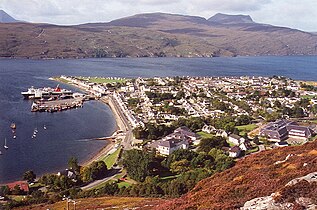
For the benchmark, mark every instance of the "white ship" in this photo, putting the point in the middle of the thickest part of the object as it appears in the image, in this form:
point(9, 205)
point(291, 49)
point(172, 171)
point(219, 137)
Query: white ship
point(47, 92)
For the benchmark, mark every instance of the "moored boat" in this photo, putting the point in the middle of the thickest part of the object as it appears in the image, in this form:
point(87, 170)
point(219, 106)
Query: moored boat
point(13, 126)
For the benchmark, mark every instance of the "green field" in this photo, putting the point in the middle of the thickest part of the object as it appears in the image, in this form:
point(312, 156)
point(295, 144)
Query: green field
point(246, 128)
point(254, 149)
point(111, 159)
point(205, 135)
point(105, 80)
point(124, 184)
point(59, 79)
point(170, 177)
point(307, 97)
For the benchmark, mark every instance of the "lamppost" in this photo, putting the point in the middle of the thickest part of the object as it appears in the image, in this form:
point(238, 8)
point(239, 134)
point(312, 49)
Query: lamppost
point(74, 202)
point(67, 201)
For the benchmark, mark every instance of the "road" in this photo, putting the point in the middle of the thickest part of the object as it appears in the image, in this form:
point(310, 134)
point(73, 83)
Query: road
point(126, 143)
point(127, 128)
point(110, 176)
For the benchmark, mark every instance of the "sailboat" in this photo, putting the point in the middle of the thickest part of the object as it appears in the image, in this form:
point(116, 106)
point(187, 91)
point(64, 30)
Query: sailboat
point(5, 143)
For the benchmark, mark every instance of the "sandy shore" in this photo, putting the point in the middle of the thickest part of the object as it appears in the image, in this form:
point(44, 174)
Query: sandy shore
point(119, 126)
point(105, 150)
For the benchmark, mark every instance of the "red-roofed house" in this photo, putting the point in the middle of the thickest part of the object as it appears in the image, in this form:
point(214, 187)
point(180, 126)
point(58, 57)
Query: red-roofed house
point(22, 184)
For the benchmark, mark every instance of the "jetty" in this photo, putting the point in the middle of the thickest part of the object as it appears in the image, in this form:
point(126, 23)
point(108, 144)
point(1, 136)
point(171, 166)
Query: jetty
point(57, 105)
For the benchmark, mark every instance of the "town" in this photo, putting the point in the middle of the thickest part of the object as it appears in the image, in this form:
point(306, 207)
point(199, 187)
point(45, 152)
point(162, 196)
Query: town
point(178, 130)
point(238, 109)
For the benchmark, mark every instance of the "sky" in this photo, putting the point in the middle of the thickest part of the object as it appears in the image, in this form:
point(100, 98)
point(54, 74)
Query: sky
point(299, 14)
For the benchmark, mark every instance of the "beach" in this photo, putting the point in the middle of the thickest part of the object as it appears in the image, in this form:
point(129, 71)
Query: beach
point(109, 147)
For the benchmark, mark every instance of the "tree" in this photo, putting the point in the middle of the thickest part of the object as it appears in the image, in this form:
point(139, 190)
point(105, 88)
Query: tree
point(137, 163)
point(17, 190)
point(298, 111)
point(4, 190)
point(180, 166)
point(243, 120)
point(222, 161)
point(256, 140)
point(178, 155)
point(73, 164)
point(96, 170)
point(29, 176)
point(207, 144)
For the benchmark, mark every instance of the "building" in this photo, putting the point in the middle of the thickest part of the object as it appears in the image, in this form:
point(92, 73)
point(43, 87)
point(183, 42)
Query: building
point(236, 139)
point(234, 152)
point(179, 139)
point(283, 129)
point(22, 184)
point(167, 147)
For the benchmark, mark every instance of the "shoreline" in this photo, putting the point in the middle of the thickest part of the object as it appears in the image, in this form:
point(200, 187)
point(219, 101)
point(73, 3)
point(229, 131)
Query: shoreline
point(106, 149)
point(119, 125)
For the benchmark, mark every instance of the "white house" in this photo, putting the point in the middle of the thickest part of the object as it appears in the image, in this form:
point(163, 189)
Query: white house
point(236, 139)
point(167, 147)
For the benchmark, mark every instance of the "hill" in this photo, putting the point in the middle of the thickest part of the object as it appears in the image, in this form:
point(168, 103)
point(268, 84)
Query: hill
point(101, 203)
point(5, 18)
point(256, 176)
point(155, 35)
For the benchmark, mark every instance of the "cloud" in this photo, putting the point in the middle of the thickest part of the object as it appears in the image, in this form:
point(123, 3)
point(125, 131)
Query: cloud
point(293, 13)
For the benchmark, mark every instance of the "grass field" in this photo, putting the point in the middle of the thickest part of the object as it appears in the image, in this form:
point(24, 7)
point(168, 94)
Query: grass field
point(204, 134)
point(307, 97)
point(124, 184)
point(170, 177)
point(255, 149)
point(246, 128)
point(105, 80)
point(61, 80)
point(111, 159)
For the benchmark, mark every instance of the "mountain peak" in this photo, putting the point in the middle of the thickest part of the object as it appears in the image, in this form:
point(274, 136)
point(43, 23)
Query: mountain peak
point(5, 18)
point(220, 18)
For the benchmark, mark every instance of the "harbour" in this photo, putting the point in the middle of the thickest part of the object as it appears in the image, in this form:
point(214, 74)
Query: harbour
point(63, 138)
point(57, 105)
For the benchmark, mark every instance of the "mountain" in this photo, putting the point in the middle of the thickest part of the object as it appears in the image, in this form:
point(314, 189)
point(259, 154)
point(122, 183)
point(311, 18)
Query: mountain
point(230, 19)
point(279, 178)
point(155, 35)
point(5, 18)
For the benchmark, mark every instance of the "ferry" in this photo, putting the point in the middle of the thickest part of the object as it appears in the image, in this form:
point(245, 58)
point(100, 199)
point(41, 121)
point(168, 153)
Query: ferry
point(46, 92)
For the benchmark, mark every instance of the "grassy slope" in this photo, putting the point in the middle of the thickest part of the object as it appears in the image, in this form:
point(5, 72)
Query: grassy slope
point(111, 159)
point(101, 203)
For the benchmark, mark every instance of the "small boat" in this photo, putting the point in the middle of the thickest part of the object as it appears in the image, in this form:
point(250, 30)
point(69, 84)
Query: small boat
point(13, 126)
point(5, 144)
point(44, 127)
point(0, 152)
point(14, 136)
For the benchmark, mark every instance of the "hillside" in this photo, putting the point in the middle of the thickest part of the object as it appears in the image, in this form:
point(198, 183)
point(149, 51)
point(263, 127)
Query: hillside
point(255, 176)
point(101, 203)
point(155, 35)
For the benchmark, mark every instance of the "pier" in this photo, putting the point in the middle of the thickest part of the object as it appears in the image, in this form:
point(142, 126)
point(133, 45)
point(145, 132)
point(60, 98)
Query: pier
point(57, 105)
